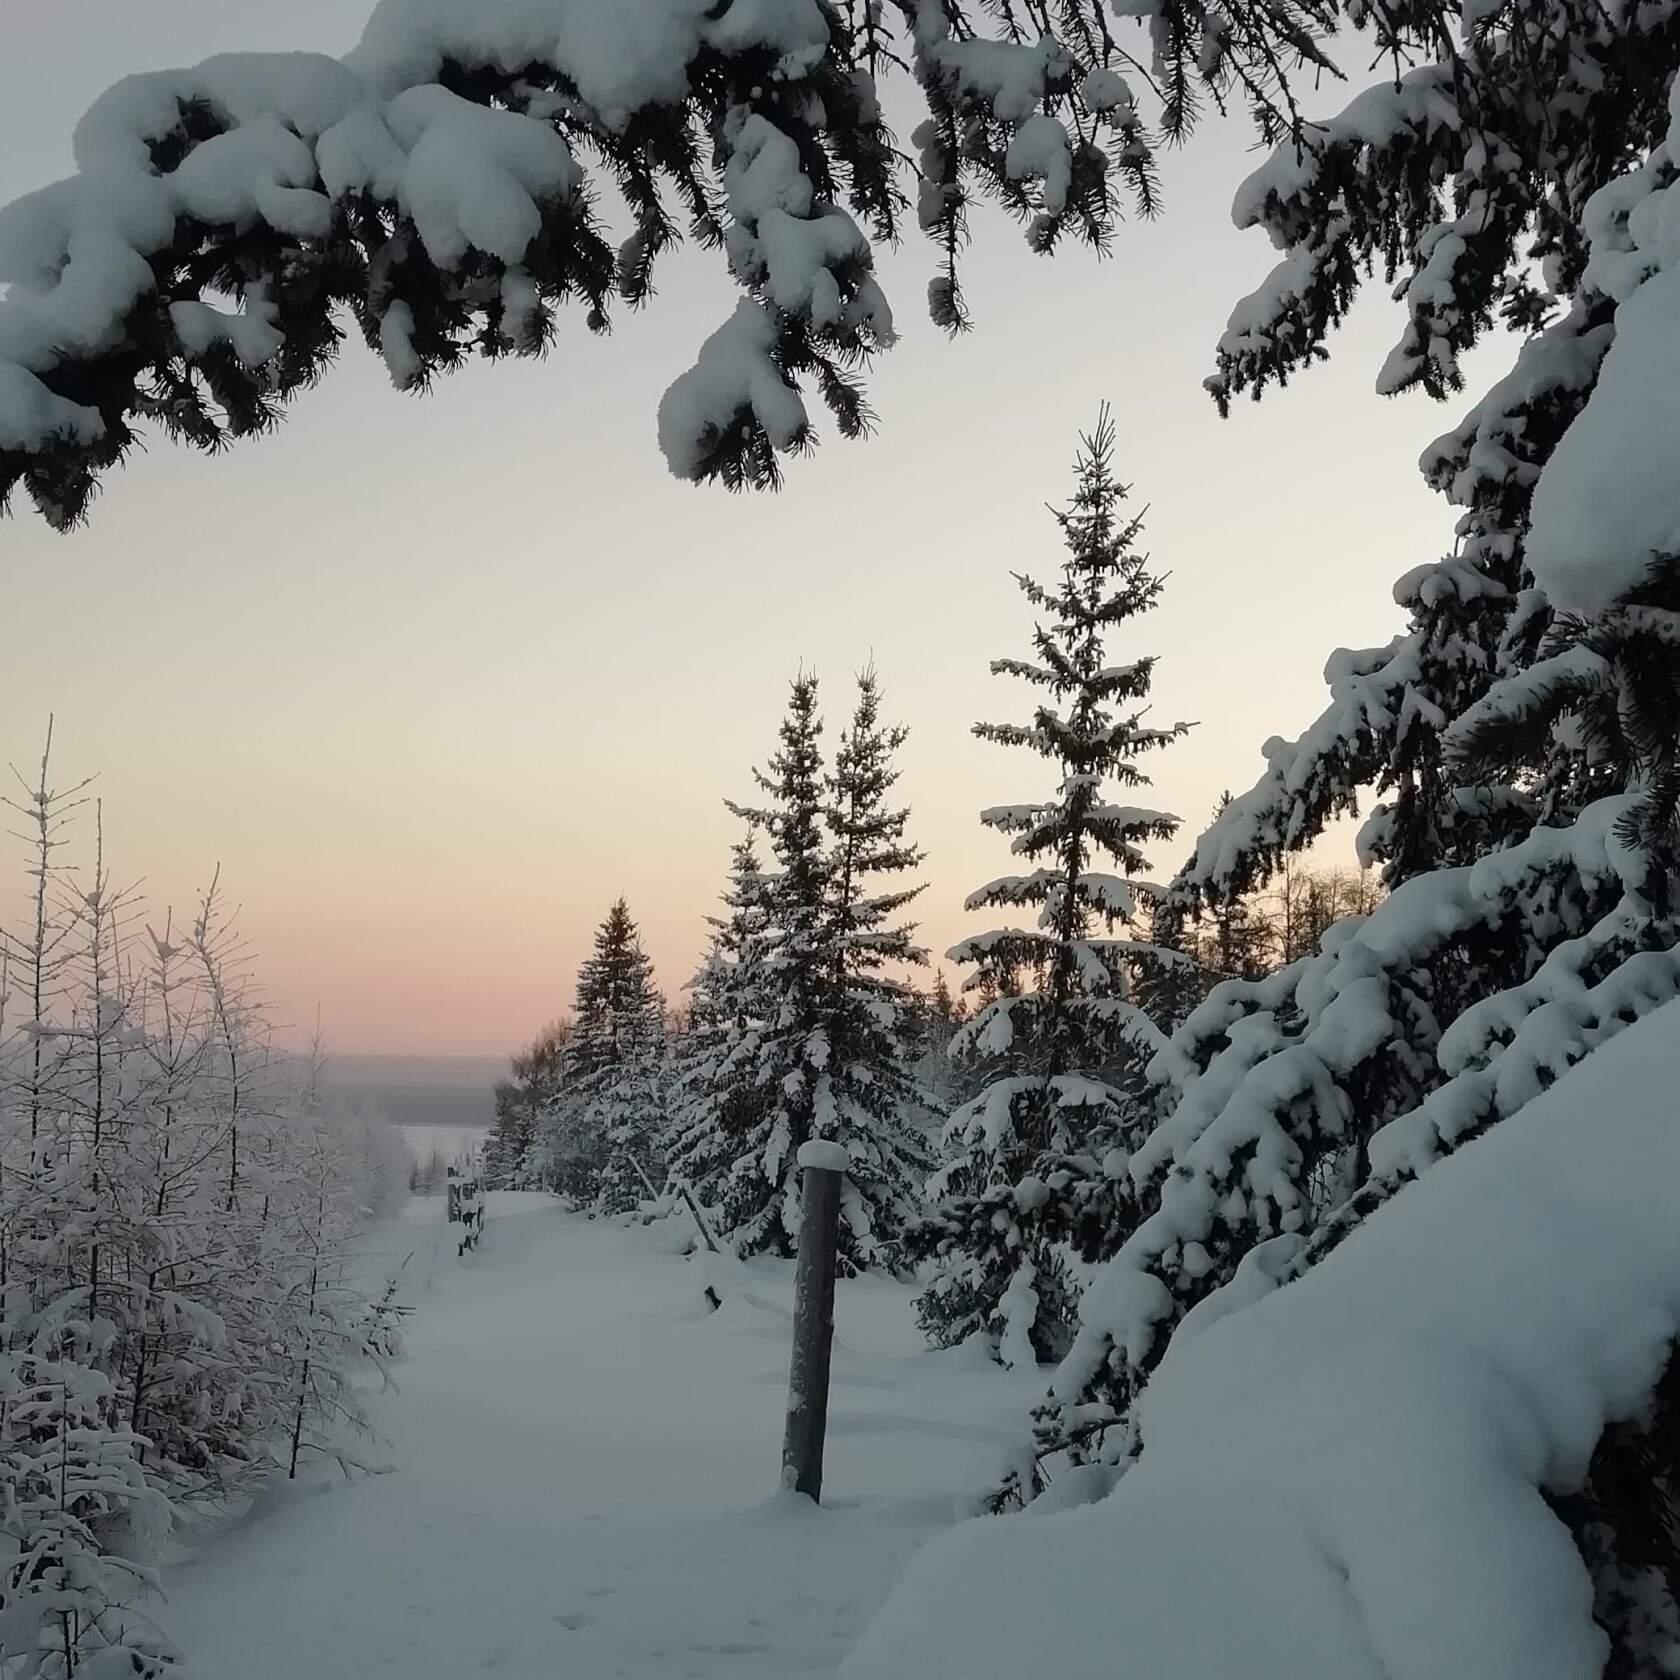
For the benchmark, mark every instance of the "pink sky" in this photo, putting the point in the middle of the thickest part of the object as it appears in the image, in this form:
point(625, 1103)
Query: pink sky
point(435, 680)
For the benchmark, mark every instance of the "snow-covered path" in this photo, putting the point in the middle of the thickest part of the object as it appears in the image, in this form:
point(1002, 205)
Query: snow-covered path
point(585, 1462)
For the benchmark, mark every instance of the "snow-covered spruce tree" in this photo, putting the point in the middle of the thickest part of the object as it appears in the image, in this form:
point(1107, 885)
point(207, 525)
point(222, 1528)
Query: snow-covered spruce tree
point(1522, 729)
point(512, 1152)
point(448, 184)
point(1466, 179)
point(605, 1127)
point(882, 1113)
point(716, 1099)
point(828, 1054)
point(937, 1017)
point(759, 1192)
point(1025, 1157)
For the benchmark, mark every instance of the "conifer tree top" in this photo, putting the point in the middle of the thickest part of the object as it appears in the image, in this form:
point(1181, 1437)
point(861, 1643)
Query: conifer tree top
point(619, 1011)
point(1085, 848)
point(869, 833)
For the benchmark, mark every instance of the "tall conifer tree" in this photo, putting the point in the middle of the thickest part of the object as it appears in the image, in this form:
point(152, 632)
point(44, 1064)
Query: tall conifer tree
point(760, 1196)
point(511, 1149)
point(828, 1056)
point(881, 1112)
point(1008, 1198)
point(607, 1124)
point(716, 1100)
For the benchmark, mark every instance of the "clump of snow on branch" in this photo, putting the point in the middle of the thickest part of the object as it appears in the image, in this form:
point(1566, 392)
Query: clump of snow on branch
point(432, 185)
point(1256, 1096)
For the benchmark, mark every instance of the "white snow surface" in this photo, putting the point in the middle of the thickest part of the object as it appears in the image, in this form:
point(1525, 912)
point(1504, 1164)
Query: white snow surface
point(824, 1153)
point(1350, 1468)
point(621, 54)
point(1607, 501)
point(585, 1474)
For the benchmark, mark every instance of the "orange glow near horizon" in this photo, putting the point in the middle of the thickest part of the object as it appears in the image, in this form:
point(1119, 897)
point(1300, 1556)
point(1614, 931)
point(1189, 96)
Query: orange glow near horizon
point(436, 679)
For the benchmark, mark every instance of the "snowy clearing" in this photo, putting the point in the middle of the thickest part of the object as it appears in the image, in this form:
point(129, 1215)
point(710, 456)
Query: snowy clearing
point(585, 1466)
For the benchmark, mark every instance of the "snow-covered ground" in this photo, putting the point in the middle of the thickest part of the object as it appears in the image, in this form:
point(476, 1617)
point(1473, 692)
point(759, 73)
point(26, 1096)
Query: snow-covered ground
point(1342, 1481)
point(584, 1477)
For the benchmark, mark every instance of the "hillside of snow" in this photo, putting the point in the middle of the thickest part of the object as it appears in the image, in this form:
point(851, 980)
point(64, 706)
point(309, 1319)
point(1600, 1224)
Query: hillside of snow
point(1351, 1469)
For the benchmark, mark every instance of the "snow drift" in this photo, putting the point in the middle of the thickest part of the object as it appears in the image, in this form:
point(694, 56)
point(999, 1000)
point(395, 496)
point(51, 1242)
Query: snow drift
point(1351, 1470)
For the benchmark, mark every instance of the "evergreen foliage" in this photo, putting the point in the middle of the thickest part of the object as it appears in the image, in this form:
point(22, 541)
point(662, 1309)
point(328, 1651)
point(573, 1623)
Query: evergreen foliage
point(760, 1196)
point(816, 1041)
point(442, 188)
point(605, 1132)
point(1025, 1156)
point(512, 1152)
point(716, 1100)
point(881, 1110)
point(936, 1017)
point(1522, 730)
point(179, 1317)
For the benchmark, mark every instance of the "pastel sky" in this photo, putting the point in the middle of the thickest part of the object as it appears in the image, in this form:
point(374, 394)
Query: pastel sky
point(435, 679)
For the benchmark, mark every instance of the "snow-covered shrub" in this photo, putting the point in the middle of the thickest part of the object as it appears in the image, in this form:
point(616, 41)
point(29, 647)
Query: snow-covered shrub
point(177, 1205)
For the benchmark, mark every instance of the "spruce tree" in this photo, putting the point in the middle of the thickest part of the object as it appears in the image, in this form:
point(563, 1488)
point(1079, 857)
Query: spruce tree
point(882, 1112)
point(606, 1128)
point(715, 1097)
point(512, 1148)
point(938, 1017)
point(1522, 729)
point(828, 1055)
point(1022, 1156)
point(759, 1193)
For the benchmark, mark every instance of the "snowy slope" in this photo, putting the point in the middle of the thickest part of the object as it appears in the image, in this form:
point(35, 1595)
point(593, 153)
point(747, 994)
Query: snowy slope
point(585, 1461)
point(1350, 1469)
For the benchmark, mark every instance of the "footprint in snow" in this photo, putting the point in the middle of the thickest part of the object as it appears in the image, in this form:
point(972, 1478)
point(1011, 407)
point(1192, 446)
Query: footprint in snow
point(572, 1620)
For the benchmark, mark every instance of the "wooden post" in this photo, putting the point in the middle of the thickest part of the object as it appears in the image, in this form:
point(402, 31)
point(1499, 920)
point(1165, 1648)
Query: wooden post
point(823, 1165)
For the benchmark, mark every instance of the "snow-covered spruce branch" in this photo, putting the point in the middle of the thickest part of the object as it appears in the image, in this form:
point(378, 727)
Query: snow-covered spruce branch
point(1283, 1087)
point(1475, 618)
point(1451, 177)
point(450, 182)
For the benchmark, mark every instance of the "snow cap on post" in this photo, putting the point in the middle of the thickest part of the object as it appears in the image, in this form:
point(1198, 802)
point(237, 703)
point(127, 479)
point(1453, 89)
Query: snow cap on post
point(824, 1153)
